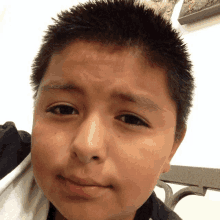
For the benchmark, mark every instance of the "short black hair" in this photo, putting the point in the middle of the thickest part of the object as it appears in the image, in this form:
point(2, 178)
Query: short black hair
point(127, 24)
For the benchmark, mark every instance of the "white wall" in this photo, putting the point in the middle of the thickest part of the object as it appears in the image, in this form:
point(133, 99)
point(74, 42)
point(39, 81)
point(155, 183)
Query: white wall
point(21, 29)
point(201, 146)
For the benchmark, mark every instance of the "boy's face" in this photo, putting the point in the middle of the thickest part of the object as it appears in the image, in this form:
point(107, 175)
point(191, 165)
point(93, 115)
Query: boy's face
point(102, 137)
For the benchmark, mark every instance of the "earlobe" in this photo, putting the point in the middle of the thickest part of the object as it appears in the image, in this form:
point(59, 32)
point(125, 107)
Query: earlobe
point(166, 167)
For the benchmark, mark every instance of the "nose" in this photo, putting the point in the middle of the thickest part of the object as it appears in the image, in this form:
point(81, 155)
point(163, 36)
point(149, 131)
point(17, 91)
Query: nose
point(89, 142)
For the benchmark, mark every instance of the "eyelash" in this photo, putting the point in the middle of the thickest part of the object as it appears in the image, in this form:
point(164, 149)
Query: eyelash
point(51, 109)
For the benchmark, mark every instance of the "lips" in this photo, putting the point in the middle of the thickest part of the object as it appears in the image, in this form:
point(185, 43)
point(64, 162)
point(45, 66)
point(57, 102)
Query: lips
point(76, 188)
point(83, 181)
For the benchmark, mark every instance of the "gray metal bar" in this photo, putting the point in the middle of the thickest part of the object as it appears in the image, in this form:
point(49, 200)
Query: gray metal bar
point(193, 176)
point(198, 180)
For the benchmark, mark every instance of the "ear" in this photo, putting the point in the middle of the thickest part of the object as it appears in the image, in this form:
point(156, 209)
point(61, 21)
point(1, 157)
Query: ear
point(176, 145)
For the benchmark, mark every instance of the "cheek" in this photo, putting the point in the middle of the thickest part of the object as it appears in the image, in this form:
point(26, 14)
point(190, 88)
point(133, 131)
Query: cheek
point(44, 151)
point(40, 160)
point(138, 178)
point(138, 164)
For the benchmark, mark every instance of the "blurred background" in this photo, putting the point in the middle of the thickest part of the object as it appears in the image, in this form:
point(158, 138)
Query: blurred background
point(22, 25)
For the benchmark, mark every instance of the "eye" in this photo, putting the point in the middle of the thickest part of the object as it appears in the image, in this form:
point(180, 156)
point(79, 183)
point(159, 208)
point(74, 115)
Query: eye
point(127, 118)
point(61, 109)
point(131, 119)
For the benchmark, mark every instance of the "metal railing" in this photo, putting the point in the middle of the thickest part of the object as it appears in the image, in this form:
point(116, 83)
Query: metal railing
point(197, 180)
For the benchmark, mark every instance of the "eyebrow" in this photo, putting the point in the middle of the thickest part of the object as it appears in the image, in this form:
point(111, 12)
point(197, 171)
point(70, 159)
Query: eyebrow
point(116, 94)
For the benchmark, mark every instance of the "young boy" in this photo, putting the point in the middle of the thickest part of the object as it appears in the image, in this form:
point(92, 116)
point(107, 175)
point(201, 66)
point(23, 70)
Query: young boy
point(113, 89)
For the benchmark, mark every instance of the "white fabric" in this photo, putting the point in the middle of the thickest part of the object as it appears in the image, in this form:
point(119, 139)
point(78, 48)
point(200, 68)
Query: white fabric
point(20, 196)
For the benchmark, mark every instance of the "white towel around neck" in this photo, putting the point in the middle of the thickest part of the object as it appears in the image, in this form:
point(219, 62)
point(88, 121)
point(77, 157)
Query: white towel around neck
point(20, 196)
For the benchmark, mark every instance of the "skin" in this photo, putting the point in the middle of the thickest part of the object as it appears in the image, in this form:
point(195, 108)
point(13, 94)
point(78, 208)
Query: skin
point(129, 157)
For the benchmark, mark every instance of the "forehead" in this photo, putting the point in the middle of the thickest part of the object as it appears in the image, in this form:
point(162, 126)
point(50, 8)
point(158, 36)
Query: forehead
point(95, 53)
point(92, 63)
point(99, 48)
point(96, 58)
